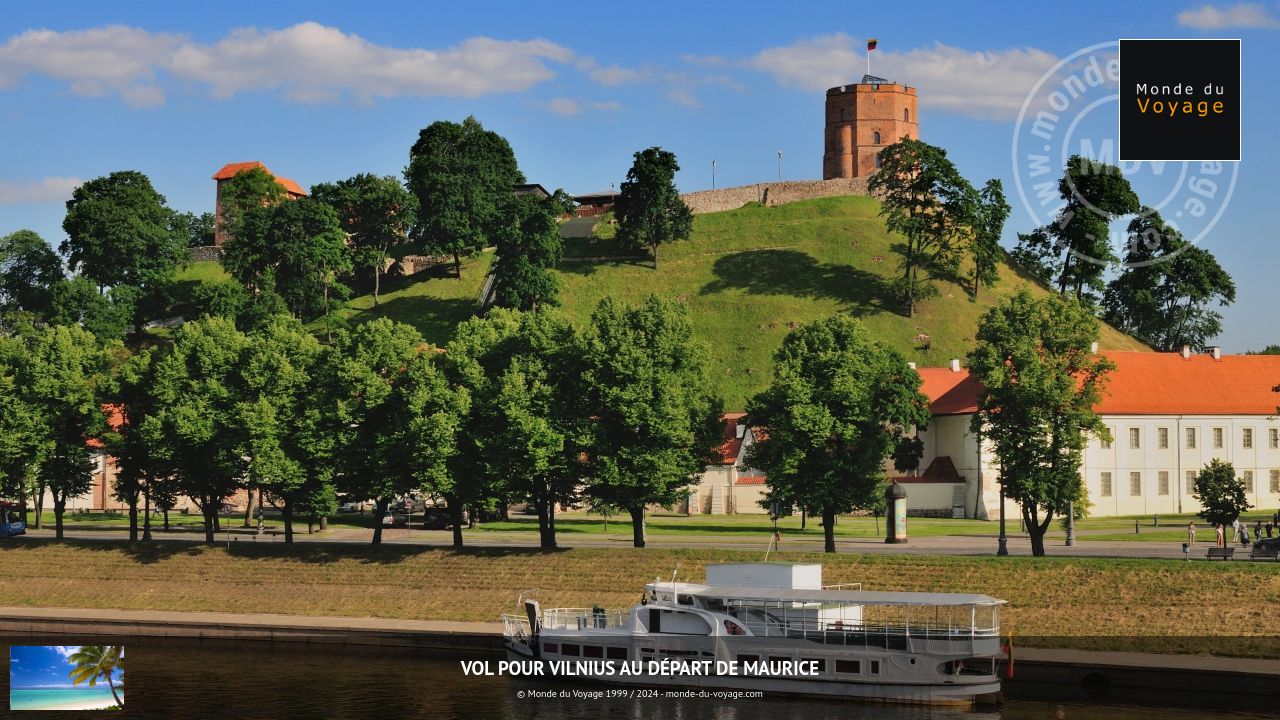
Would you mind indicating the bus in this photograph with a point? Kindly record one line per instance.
(11, 519)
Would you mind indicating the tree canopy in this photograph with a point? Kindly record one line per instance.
(462, 176)
(29, 269)
(649, 209)
(376, 213)
(1040, 383)
(1221, 494)
(841, 403)
(529, 247)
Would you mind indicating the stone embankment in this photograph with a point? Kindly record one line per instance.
(773, 193)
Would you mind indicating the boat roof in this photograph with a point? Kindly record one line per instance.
(844, 597)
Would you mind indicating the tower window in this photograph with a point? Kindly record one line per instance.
(876, 137)
(879, 161)
(906, 115)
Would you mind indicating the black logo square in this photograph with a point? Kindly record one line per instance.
(1180, 100)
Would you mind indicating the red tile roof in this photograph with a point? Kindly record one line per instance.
(732, 442)
(1147, 383)
(230, 170)
(750, 480)
(115, 419)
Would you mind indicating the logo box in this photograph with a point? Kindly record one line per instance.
(1180, 100)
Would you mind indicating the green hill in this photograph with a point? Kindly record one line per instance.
(747, 276)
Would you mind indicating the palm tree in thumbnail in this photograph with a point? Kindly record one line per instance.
(98, 661)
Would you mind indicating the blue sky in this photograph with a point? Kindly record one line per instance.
(32, 666)
(321, 92)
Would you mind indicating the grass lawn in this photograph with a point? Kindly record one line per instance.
(1152, 605)
(188, 278)
(750, 275)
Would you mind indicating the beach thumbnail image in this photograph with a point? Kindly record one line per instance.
(66, 677)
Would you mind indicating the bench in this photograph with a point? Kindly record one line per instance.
(1264, 553)
(1222, 553)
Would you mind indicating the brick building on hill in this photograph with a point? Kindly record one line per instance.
(861, 120)
(230, 170)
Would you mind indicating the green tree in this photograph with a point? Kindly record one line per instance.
(77, 301)
(139, 461)
(28, 271)
(529, 247)
(98, 662)
(524, 434)
(358, 381)
(227, 299)
(195, 230)
(1268, 350)
(1220, 493)
(988, 226)
(288, 447)
(196, 422)
(1164, 295)
(294, 250)
(926, 200)
(462, 176)
(649, 209)
(1040, 383)
(841, 403)
(64, 374)
(244, 192)
(119, 232)
(376, 213)
(23, 432)
(654, 421)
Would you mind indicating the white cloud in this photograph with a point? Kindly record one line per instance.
(683, 96)
(569, 106)
(615, 75)
(989, 85)
(65, 651)
(1244, 15)
(705, 60)
(95, 62)
(307, 62)
(44, 190)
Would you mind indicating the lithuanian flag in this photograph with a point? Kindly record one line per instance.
(871, 44)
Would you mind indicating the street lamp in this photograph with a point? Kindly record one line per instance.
(779, 166)
(1004, 539)
(713, 174)
(1071, 523)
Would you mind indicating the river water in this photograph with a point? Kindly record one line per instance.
(251, 681)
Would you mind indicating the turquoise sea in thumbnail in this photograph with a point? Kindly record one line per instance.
(68, 698)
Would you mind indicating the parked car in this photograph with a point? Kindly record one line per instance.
(1266, 548)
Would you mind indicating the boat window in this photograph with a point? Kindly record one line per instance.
(686, 600)
(849, 667)
(615, 653)
(733, 628)
(875, 667)
(551, 647)
(569, 649)
(592, 651)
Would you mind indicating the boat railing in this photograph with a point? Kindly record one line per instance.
(515, 627)
(843, 586)
(887, 635)
(584, 619)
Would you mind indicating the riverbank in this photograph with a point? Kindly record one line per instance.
(1109, 604)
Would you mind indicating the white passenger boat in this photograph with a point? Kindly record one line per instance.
(779, 630)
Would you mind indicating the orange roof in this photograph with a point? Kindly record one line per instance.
(750, 480)
(230, 170)
(1147, 383)
(732, 443)
(115, 419)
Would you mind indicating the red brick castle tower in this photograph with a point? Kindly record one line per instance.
(862, 120)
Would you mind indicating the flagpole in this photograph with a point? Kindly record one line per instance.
(868, 61)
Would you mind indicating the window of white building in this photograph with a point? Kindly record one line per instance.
(1248, 481)
(1135, 483)
(1191, 438)
(1191, 481)
(1273, 438)
(1275, 481)
(1106, 441)
(1106, 484)
(1162, 438)
(1246, 438)
(1162, 482)
(1135, 438)
(1217, 438)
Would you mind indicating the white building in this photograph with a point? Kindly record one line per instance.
(1169, 415)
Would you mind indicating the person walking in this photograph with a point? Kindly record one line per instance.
(1235, 531)
(1221, 533)
(1270, 527)
(1257, 531)
(1244, 534)
(1191, 534)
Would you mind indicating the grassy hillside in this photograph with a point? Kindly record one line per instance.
(748, 276)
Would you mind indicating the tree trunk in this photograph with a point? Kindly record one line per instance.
(210, 514)
(1036, 530)
(287, 514)
(655, 256)
(455, 518)
(133, 517)
(248, 507)
(546, 526)
(59, 507)
(379, 512)
(146, 518)
(457, 264)
(39, 503)
(377, 278)
(828, 529)
(166, 519)
(637, 525)
(111, 684)
(324, 523)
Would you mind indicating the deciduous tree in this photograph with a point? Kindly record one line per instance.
(1220, 493)
(376, 213)
(28, 271)
(988, 226)
(529, 247)
(649, 209)
(841, 403)
(462, 175)
(654, 422)
(1040, 383)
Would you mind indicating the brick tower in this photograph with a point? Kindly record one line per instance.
(862, 120)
